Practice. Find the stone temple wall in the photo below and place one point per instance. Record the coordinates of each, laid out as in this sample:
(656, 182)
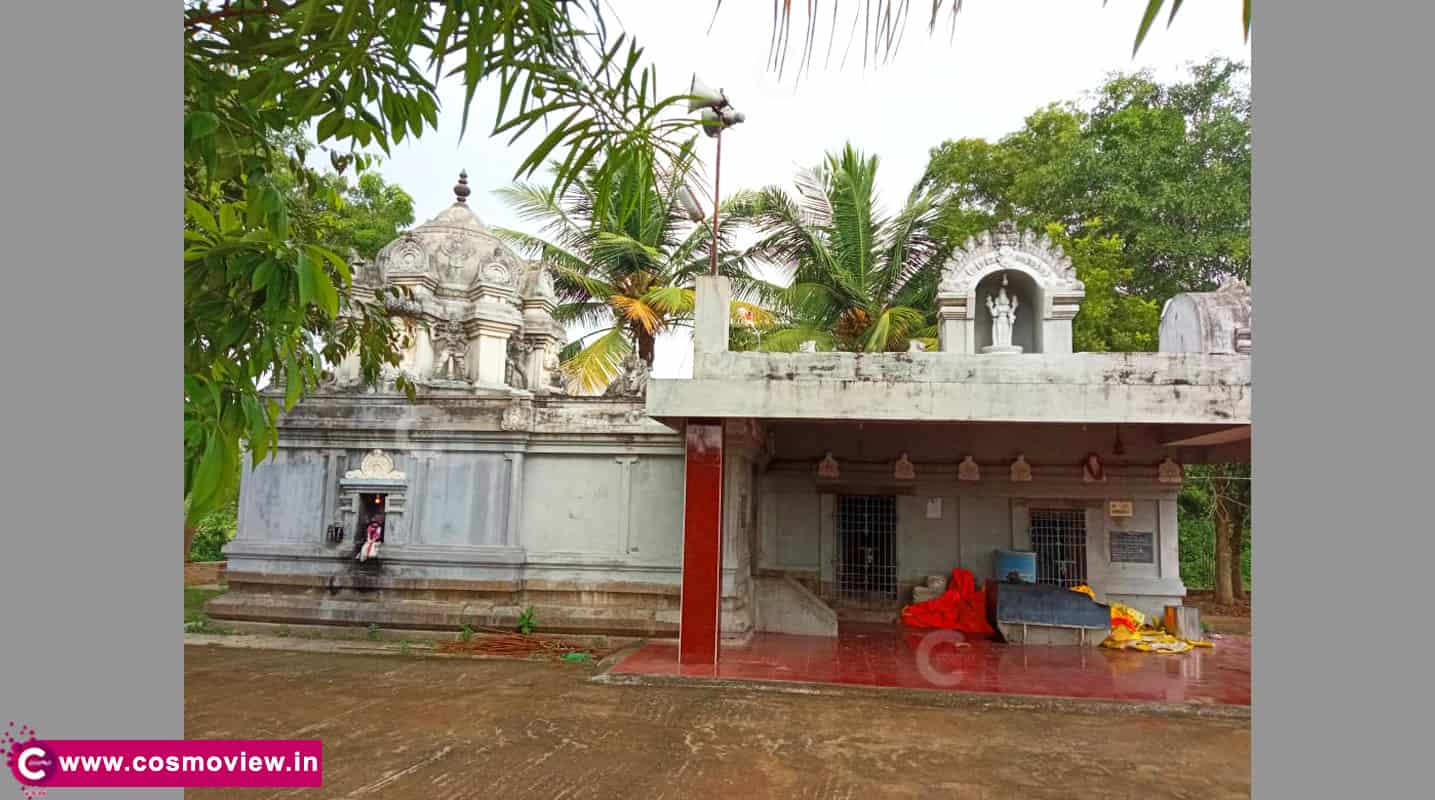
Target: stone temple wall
(570, 505)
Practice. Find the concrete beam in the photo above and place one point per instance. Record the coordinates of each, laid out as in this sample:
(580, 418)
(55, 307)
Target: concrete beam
(1137, 369)
(1228, 436)
(1127, 388)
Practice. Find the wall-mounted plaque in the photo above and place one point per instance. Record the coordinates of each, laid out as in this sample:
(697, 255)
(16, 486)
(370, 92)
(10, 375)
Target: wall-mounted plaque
(1120, 508)
(1133, 547)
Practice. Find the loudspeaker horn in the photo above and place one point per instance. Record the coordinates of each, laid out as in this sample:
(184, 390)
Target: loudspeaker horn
(704, 96)
(690, 205)
(711, 122)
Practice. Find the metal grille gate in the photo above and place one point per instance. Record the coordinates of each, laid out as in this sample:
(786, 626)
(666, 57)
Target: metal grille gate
(1059, 538)
(867, 550)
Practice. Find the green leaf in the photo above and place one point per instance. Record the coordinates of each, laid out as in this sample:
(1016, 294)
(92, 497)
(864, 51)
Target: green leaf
(209, 474)
(325, 292)
(198, 125)
(1153, 7)
(200, 215)
(1175, 6)
(328, 125)
(307, 287)
(293, 383)
(228, 219)
(264, 274)
(340, 265)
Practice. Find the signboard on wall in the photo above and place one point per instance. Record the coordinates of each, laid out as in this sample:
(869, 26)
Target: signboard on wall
(1120, 508)
(1133, 547)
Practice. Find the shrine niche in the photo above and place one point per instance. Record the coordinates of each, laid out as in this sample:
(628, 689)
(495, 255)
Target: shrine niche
(1008, 291)
(1005, 314)
(375, 492)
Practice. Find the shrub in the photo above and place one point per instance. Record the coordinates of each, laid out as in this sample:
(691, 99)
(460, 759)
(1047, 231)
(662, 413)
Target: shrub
(212, 533)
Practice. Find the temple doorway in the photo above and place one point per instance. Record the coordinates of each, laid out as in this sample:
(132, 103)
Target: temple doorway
(371, 508)
(867, 550)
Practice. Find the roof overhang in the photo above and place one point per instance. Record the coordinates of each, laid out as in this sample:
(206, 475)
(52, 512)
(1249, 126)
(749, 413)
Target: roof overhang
(1171, 389)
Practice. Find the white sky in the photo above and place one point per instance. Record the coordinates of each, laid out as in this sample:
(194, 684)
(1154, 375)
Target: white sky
(1008, 58)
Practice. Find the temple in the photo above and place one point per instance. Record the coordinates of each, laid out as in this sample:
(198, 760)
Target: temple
(780, 492)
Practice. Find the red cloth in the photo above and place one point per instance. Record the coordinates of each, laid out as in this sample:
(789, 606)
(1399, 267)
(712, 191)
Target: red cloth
(962, 608)
(1128, 624)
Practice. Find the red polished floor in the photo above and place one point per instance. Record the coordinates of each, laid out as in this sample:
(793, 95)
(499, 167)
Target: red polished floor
(915, 659)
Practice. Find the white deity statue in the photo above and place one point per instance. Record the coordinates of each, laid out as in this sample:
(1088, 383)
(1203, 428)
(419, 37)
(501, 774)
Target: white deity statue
(1003, 309)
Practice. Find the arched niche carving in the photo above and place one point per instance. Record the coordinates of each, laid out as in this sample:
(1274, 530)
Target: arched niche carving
(1040, 272)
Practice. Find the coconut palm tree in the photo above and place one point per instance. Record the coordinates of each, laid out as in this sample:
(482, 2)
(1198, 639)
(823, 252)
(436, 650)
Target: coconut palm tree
(624, 254)
(860, 280)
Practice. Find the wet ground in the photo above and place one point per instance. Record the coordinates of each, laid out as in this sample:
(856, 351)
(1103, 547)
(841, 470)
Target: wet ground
(891, 656)
(421, 727)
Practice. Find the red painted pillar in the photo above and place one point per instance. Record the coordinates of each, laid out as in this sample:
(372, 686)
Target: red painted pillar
(699, 625)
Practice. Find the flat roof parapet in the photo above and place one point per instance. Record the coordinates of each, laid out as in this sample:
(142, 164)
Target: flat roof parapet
(1151, 369)
(1156, 388)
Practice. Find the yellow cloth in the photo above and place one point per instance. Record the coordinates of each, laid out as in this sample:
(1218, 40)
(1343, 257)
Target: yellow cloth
(1145, 638)
(1119, 611)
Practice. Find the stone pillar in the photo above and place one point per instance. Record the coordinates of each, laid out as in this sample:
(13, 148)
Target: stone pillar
(1056, 326)
(423, 350)
(540, 346)
(954, 325)
(699, 624)
(711, 316)
(488, 352)
(1168, 540)
(543, 335)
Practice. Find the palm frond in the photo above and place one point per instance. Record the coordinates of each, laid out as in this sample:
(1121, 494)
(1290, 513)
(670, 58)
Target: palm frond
(671, 300)
(790, 339)
(596, 365)
(539, 204)
(886, 21)
(588, 286)
(635, 310)
(892, 327)
(585, 315)
(622, 253)
(547, 252)
(751, 313)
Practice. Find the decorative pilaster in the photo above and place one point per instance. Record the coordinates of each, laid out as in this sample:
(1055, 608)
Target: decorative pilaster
(513, 525)
(625, 493)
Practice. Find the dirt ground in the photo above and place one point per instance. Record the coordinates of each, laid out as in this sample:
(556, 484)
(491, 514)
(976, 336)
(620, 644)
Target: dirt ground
(421, 727)
(1205, 600)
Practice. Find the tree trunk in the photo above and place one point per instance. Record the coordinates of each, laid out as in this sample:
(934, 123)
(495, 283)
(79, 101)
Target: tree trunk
(1221, 510)
(646, 344)
(188, 540)
(1238, 535)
